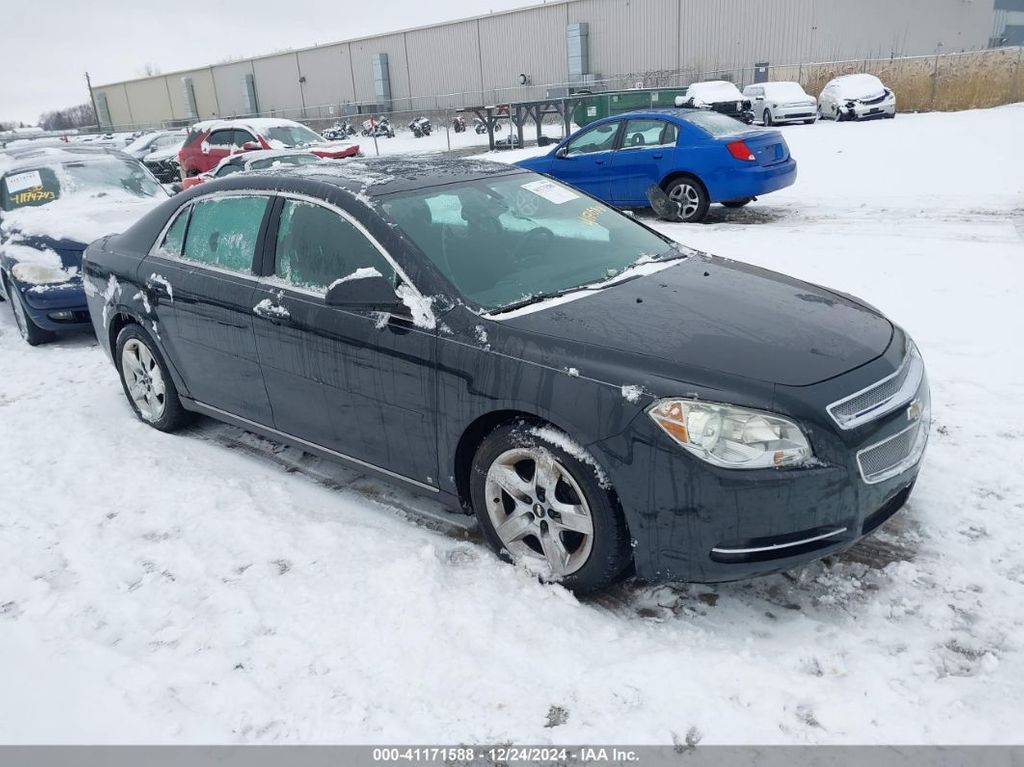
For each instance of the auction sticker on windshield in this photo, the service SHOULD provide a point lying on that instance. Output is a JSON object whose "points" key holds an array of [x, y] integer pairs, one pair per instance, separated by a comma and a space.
{"points": [[17, 182], [551, 191]]}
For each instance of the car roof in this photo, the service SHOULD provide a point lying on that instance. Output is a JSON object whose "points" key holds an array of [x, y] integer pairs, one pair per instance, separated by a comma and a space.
{"points": [[244, 158], [255, 124], [378, 176], [677, 112], [15, 158]]}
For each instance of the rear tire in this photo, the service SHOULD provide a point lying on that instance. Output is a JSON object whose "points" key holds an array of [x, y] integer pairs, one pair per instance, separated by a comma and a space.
{"points": [[692, 197], [737, 203], [550, 508], [32, 333], [146, 381]]}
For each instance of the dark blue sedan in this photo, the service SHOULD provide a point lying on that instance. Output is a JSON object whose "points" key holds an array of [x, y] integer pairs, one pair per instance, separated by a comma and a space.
{"points": [[696, 156], [55, 200]]}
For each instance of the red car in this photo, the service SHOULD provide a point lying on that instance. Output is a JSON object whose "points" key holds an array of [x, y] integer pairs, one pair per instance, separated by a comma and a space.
{"points": [[211, 141]]}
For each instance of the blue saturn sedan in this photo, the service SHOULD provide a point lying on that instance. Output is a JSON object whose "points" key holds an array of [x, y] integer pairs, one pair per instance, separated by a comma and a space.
{"points": [[696, 156]]}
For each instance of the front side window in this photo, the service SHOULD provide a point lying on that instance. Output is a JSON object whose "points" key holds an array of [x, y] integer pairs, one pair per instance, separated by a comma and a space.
{"points": [[243, 137], [599, 139], [641, 133], [504, 240], [227, 169], [316, 246], [223, 231], [292, 159]]}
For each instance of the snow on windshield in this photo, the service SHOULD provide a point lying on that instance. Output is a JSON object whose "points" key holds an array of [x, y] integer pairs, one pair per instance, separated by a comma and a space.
{"points": [[785, 92], [859, 86]]}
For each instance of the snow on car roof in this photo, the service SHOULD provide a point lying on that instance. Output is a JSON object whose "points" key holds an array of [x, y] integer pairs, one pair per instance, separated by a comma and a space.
{"points": [[783, 88], [712, 91], [257, 124]]}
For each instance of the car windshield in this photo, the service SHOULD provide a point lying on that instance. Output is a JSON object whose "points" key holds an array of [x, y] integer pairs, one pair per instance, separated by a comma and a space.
{"points": [[785, 92], [504, 241], [291, 159], [715, 123], [95, 177], [291, 135]]}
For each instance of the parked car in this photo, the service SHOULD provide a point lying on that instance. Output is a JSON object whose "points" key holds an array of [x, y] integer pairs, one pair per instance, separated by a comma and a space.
{"points": [[210, 142], [260, 159], [148, 143], [720, 96], [437, 322], [163, 163], [856, 97], [698, 157], [781, 102], [53, 202]]}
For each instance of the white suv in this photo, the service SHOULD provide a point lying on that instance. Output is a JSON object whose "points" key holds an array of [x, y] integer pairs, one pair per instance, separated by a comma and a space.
{"points": [[780, 102]]}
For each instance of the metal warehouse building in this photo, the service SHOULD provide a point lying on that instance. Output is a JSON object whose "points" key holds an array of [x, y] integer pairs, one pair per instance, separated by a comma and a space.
{"points": [[566, 43]]}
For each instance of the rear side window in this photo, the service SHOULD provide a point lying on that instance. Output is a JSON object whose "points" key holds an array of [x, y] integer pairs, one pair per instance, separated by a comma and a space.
{"points": [[715, 123], [223, 232], [316, 246], [221, 138], [175, 236], [641, 133]]}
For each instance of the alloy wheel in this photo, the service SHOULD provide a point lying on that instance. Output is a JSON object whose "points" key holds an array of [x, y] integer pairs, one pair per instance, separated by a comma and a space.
{"points": [[538, 510], [144, 380], [688, 198]]}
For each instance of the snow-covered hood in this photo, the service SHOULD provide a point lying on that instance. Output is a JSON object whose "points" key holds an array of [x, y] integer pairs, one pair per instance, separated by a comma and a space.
{"points": [[167, 153], [859, 87], [79, 218]]}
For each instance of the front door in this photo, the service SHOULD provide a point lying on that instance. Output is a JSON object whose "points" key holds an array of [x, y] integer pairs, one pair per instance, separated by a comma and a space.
{"points": [[646, 156], [199, 284], [357, 383], [587, 161]]}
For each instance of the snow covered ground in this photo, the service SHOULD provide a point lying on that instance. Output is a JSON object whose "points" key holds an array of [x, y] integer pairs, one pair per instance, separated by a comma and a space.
{"points": [[209, 587]]}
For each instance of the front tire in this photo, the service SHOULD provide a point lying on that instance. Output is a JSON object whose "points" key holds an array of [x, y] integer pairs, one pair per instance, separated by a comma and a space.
{"points": [[146, 381], [32, 333], [692, 197], [546, 508], [767, 118]]}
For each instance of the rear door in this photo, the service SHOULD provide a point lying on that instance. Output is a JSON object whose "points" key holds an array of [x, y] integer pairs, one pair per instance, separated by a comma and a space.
{"points": [[646, 155], [199, 283], [357, 383], [588, 159]]}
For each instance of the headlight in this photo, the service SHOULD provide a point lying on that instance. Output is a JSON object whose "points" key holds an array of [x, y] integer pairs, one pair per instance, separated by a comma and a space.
{"points": [[38, 274], [731, 437]]}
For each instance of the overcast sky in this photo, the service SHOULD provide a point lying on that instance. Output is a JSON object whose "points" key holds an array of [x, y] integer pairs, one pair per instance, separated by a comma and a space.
{"points": [[48, 45]]}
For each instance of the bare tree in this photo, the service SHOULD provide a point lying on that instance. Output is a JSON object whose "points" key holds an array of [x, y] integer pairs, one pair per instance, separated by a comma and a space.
{"points": [[79, 116]]}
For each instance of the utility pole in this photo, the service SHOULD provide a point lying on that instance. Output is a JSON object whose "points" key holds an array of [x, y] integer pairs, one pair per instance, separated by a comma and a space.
{"points": [[92, 98]]}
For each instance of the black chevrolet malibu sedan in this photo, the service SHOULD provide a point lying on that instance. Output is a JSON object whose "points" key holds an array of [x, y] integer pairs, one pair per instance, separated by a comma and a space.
{"points": [[603, 399]]}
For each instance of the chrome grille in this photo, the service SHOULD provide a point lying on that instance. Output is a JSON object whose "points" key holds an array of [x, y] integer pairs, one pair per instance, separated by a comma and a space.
{"points": [[882, 396], [897, 453]]}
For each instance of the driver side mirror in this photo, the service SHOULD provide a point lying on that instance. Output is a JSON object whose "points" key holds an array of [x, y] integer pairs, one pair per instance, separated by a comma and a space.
{"points": [[562, 152], [370, 293], [665, 208], [250, 146]]}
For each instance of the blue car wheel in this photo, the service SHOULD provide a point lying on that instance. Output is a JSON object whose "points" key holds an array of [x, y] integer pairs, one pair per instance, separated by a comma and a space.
{"points": [[692, 197]]}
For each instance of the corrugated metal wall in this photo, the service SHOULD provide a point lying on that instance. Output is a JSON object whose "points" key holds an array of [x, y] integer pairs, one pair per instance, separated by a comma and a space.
{"points": [[480, 60]]}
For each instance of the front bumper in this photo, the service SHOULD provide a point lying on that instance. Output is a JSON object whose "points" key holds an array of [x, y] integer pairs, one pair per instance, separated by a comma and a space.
{"points": [[695, 522], [56, 307], [869, 111], [795, 113]]}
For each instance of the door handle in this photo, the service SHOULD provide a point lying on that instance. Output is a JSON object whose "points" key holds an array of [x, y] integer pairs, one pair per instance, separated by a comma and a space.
{"points": [[157, 288], [268, 310], [598, 162], [657, 156]]}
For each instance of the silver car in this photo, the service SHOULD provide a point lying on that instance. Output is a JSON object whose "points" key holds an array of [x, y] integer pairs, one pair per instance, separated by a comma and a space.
{"points": [[856, 97], [780, 102]]}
